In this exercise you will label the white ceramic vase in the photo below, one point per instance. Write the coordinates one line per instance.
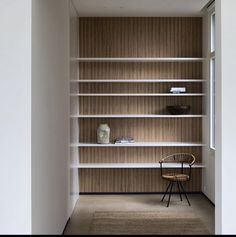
(103, 134)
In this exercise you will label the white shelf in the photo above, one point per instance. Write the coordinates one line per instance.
(136, 94)
(130, 166)
(138, 59)
(137, 116)
(140, 144)
(138, 81)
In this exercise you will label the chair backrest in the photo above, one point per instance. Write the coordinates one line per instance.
(181, 158)
(184, 158)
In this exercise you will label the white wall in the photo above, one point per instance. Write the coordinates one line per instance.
(208, 155)
(50, 115)
(74, 106)
(226, 125)
(15, 119)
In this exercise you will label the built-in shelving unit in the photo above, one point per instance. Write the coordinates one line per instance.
(125, 82)
(131, 166)
(158, 59)
(138, 81)
(140, 144)
(137, 116)
(137, 94)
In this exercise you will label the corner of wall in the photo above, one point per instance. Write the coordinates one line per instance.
(208, 155)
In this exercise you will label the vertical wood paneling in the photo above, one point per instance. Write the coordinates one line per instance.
(140, 37)
(130, 180)
(144, 130)
(135, 105)
(133, 154)
(140, 70)
(134, 87)
(137, 37)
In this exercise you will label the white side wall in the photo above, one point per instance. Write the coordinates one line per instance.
(50, 115)
(74, 109)
(226, 113)
(15, 119)
(208, 155)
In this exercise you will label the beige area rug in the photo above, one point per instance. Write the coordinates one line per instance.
(146, 223)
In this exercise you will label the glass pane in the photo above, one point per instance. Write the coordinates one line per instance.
(213, 32)
(213, 104)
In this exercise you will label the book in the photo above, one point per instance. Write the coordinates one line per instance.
(123, 140)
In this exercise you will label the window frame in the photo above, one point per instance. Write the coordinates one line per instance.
(212, 77)
(213, 31)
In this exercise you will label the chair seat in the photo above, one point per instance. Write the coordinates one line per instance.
(176, 177)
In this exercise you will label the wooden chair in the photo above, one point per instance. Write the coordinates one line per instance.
(183, 160)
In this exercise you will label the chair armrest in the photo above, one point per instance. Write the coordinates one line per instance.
(192, 163)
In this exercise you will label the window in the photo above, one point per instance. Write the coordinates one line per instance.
(212, 102)
(213, 32)
(212, 81)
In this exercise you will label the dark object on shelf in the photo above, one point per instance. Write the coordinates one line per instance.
(178, 109)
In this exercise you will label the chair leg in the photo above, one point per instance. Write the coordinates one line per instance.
(172, 183)
(179, 191)
(184, 193)
(166, 192)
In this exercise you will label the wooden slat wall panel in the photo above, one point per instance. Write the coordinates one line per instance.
(137, 37)
(130, 180)
(135, 105)
(145, 130)
(133, 154)
(135, 87)
(140, 70)
(140, 37)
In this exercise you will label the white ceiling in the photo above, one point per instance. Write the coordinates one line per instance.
(155, 8)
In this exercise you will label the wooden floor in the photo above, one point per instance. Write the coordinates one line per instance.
(86, 206)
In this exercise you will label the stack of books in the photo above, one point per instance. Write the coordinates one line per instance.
(125, 140)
